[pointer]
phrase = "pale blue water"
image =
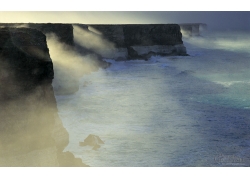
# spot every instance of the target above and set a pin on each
(168, 111)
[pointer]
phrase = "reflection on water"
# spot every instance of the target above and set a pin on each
(172, 111)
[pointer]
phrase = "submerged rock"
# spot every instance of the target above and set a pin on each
(186, 73)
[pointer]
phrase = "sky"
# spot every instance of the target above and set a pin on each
(215, 15)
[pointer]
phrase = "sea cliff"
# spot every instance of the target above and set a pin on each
(31, 132)
(140, 41)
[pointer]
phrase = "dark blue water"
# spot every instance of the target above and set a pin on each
(168, 111)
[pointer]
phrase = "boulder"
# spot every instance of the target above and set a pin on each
(92, 140)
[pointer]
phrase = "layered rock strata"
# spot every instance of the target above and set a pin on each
(31, 132)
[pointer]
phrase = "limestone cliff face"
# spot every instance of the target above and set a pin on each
(144, 40)
(64, 32)
(30, 129)
(153, 39)
(113, 33)
(152, 34)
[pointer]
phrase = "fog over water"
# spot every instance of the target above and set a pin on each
(168, 111)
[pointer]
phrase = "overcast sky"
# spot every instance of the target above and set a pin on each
(214, 19)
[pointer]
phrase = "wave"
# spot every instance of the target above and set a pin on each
(231, 83)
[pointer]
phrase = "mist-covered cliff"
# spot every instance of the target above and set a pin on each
(31, 132)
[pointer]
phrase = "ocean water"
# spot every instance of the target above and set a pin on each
(168, 111)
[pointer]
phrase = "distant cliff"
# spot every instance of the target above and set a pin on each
(141, 41)
(31, 132)
(192, 29)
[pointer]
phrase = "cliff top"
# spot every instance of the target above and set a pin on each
(21, 37)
